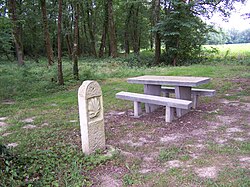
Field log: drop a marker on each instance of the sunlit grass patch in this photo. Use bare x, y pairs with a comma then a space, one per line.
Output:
230, 53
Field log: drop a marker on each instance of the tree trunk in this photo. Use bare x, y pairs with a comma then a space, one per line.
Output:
75, 48
126, 30
59, 47
68, 43
112, 36
105, 30
157, 34
90, 27
46, 33
135, 35
152, 24
16, 32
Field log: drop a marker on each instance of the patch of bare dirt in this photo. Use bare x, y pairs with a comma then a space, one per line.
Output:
207, 172
245, 162
107, 180
29, 127
44, 125
29, 120
174, 164
8, 102
234, 129
3, 124
7, 134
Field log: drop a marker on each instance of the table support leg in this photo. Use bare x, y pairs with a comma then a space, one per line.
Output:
182, 92
152, 90
137, 109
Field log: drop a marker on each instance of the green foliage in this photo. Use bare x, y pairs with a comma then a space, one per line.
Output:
183, 33
234, 36
144, 60
171, 153
128, 180
231, 36
215, 37
60, 165
18, 80
5, 36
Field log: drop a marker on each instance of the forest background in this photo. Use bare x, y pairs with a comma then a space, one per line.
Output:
173, 29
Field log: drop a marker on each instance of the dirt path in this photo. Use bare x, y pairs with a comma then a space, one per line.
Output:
201, 146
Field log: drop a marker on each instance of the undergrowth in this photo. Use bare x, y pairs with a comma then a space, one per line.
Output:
60, 165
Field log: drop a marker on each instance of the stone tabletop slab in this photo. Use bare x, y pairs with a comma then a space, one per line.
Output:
169, 80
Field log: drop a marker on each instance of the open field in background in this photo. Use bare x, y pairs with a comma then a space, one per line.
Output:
228, 53
39, 123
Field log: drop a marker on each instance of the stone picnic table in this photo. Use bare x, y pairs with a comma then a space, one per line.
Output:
183, 85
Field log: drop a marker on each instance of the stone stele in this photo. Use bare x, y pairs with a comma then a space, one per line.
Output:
91, 116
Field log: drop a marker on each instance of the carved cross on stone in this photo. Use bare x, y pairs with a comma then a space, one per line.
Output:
91, 116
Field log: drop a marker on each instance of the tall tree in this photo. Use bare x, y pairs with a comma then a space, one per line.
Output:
112, 35
135, 27
127, 27
157, 34
16, 31
90, 22
182, 32
59, 46
48, 46
105, 30
76, 39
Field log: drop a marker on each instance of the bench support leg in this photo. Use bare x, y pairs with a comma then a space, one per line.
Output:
182, 92
169, 114
195, 101
137, 109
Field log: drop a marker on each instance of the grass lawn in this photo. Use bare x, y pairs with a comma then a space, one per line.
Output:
40, 138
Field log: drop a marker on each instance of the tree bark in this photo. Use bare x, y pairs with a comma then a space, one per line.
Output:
59, 47
152, 24
112, 36
75, 48
135, 35
157, 34
68, 43
127, 29
48, 47
105, 30
16, 33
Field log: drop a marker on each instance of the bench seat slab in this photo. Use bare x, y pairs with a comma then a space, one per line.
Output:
169, 103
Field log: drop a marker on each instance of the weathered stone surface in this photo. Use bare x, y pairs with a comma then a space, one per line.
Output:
91, 116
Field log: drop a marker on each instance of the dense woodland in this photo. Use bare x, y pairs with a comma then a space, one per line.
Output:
173, 29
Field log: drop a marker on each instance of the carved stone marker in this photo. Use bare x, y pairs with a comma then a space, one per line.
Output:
91, 116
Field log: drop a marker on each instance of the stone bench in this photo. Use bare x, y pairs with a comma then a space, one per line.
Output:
194, 91
169, 103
